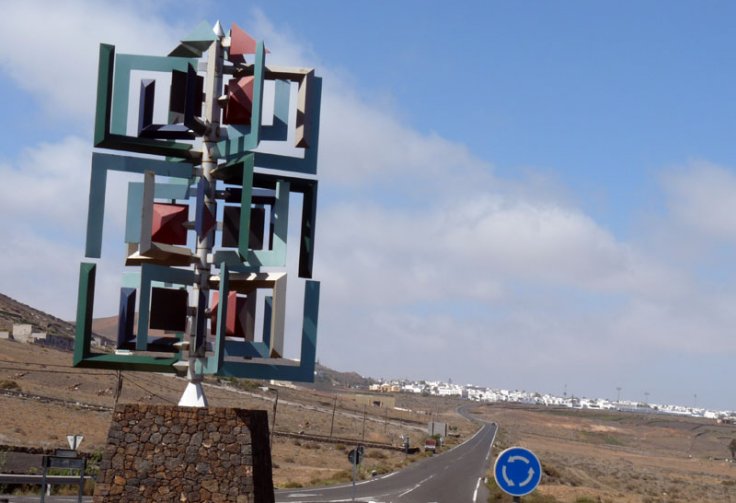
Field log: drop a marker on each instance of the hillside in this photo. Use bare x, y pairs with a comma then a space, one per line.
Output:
14, 312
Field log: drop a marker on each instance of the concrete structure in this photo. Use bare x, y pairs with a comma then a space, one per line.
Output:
23, 332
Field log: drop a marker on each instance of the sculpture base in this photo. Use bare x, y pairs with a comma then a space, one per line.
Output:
165, 453
193, 396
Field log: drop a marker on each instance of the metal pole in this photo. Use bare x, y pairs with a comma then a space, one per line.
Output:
81, 481
43, 481
362, 436
273, 422
203, 268
517, 499
332, 423
355, 464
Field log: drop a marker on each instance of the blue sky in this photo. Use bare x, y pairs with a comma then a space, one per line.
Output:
527, 195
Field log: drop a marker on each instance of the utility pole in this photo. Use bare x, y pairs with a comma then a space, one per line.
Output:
273, 420
363, 435
332, 423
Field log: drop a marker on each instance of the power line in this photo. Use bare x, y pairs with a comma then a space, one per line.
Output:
76, 372
149, 391
34, 363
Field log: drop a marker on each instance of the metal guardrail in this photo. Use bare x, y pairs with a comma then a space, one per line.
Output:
337, 440
14, 478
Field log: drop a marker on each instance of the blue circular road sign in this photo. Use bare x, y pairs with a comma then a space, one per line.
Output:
517, 471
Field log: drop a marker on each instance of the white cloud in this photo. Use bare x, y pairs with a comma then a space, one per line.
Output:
431, 265
50, 49
701, 196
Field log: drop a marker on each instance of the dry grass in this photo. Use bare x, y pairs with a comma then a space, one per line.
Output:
622, 457
297, 463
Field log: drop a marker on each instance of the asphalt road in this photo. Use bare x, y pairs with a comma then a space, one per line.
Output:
455, 476
452, 477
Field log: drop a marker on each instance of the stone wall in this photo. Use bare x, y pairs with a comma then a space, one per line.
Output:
180, 454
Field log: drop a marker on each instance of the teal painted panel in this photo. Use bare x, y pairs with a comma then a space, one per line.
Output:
276, 257
124, 65
101, 164
131, 280
104, 138
202, 34
245, 199
134, 210
246, 349
307, 164
298, 372
279, 131
242, 139
214, 362
149, 274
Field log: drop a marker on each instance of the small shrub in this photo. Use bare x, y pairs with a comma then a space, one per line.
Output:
8, 384
292, 485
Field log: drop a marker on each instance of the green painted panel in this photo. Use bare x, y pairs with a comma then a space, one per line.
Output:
103, 108
85, 308
140, 363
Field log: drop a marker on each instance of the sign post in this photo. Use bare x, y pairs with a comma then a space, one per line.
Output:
517, 472
355, 456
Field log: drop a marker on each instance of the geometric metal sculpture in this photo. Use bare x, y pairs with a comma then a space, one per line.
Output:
207, 218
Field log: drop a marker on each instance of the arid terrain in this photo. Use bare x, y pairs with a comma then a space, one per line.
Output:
611, 456
44, 399
588, 456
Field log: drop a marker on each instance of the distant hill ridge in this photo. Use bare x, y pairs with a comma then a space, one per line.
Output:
14, 312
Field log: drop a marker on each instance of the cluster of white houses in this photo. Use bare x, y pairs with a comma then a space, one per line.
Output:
481, 394
25, 333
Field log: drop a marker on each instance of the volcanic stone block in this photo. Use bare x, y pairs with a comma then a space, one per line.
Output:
170, 454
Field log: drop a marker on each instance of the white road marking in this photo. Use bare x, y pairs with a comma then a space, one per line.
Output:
415, 487
475, 493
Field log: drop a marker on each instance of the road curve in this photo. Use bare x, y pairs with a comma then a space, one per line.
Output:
452, 477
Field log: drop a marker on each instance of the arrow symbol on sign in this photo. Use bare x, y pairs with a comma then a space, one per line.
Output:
518, 458
529, 477
506, 477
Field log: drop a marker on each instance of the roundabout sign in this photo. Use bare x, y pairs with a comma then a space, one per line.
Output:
517, 471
